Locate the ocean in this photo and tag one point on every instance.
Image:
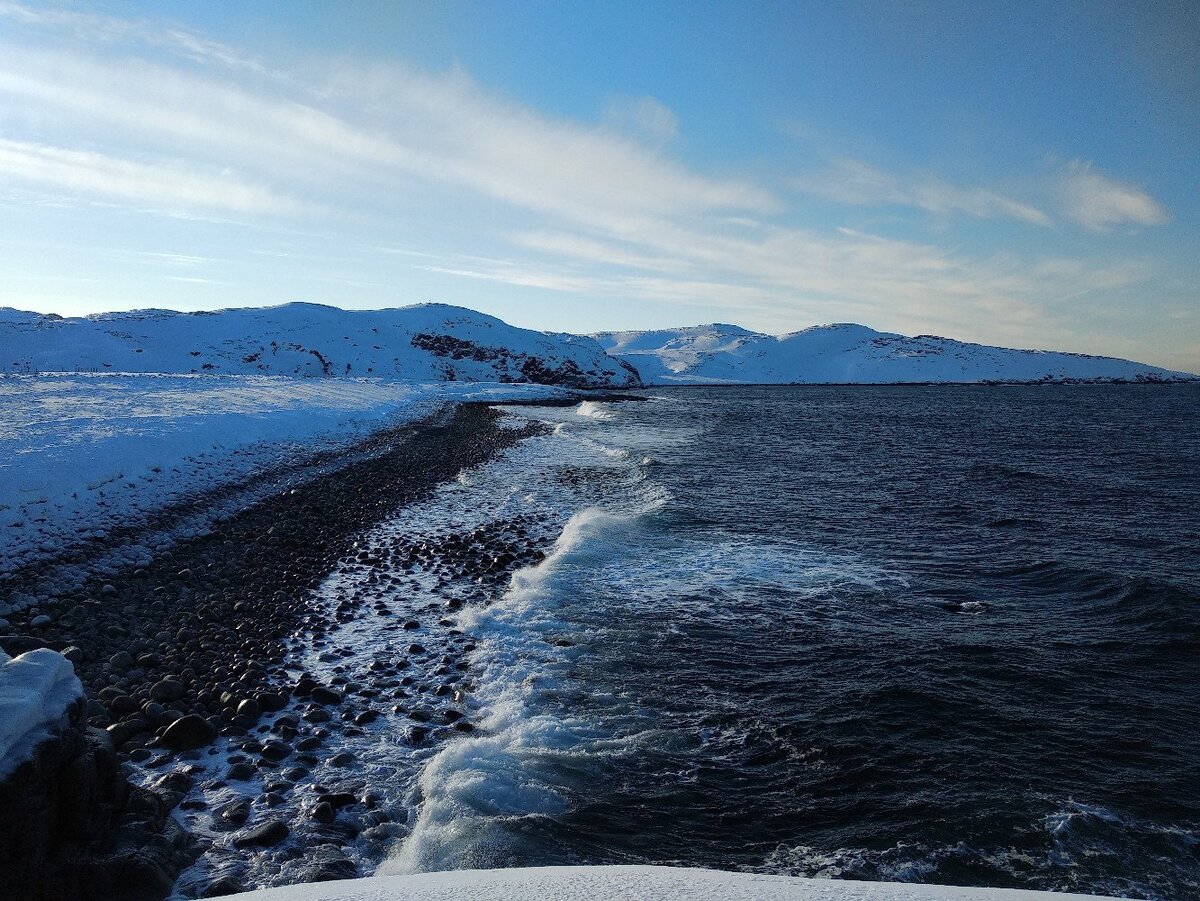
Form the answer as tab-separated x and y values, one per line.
934	634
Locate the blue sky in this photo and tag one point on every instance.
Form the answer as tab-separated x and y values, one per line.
1018	174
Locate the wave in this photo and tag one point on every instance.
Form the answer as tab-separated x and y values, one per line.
595	410
477	791
1062	851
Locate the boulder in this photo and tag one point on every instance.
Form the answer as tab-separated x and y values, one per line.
189	732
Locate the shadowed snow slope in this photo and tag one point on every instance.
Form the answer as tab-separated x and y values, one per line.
423	343
850	354
640	883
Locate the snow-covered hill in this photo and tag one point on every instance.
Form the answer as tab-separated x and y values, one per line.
423	343
851	354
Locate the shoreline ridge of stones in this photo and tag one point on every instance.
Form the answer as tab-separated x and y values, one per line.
200	645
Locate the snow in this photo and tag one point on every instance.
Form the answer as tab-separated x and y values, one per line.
83	454
422	343
631	883
845	353
36	689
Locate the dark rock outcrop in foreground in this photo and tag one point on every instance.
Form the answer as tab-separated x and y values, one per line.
72	826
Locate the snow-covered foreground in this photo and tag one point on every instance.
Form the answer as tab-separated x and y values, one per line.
850	354
83	454
632	883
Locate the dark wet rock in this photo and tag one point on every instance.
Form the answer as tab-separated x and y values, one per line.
336	800
240	772
272	832
173	787
121	732
344	758
324	812
276	751
235	812
167	690
220	888
325	864
272	702
189	732
251	709
323	695
417	734
123	705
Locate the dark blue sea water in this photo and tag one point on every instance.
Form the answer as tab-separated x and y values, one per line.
943	634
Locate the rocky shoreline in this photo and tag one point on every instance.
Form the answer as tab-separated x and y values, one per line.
201	648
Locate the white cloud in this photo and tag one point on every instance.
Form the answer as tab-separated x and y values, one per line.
370	130
1098	202
853	182
644	116
159	184
95	28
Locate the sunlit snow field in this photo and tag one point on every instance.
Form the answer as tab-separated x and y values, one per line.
80	453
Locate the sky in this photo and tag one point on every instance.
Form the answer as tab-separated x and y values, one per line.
1024	174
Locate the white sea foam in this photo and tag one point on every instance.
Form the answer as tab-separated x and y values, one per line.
595	410
476	790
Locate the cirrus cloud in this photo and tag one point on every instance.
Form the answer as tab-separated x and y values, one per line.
1099	202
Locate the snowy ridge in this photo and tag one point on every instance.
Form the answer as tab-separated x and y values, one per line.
846	353
422	343
631	883
36	689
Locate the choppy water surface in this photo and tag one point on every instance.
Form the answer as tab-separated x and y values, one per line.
934	634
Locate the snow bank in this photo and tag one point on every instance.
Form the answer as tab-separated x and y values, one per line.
81	455
631	883
850	354
36	689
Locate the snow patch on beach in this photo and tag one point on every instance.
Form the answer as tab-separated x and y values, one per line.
36	689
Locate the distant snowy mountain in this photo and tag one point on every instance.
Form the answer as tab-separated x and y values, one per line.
851	354
436	342
423	343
